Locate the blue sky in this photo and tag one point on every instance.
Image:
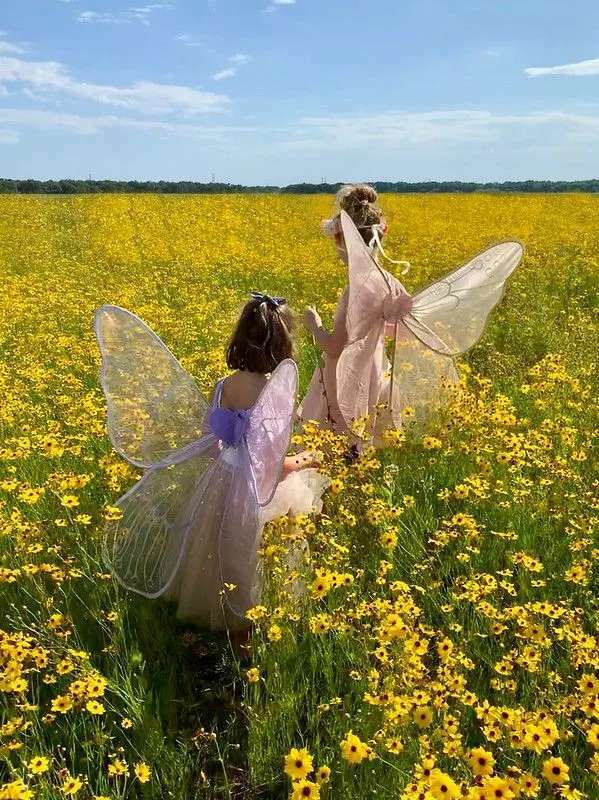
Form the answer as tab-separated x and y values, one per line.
279	91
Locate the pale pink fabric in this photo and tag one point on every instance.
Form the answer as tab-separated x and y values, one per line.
350	382
440	321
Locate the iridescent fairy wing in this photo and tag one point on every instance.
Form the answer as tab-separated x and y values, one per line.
154	406
450	315
146	544
422	379
361	360
269	429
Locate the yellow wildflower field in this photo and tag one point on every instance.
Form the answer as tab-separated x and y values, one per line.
433	634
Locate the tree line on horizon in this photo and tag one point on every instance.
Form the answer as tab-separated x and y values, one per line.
68	186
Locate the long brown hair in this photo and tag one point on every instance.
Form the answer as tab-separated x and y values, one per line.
262	338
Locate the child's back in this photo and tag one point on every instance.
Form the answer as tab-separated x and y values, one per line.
241	389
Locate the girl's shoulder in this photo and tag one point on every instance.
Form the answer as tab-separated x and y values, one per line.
241	389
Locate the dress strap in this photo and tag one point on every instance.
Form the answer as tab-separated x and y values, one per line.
218	391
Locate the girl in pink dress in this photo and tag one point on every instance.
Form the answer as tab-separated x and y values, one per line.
427	330
214	472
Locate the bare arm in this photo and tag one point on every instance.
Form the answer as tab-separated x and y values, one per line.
330	343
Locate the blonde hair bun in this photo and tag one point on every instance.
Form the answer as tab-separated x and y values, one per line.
355	196
358	200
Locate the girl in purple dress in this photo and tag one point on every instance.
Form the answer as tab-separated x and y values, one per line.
214	473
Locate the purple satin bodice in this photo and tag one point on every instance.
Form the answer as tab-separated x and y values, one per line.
227	424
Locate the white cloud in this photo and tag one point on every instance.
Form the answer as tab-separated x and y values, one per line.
276	4
239	59
590	67
9	48
139	14
88	125
8	137
224	73
12	49
190	41
416	129
143	96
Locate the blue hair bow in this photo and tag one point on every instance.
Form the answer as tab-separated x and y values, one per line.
272	302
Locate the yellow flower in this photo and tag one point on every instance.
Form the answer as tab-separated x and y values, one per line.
15	790
38	765
481	761
62	704
422	716
253	675
142	772
116	768
298	764
94	707
305	789
274	633
69	501
443	787
529	785
71	786
336	486
555	771
593	735
353	749
497	788
323	774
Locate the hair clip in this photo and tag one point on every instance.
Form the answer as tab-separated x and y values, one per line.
272	302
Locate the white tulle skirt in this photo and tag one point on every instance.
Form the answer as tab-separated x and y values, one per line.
218	578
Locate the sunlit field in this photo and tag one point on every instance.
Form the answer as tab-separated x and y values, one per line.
438	636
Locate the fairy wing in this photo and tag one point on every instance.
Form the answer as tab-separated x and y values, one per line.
450	315
423	379
269	429
154	406
146	544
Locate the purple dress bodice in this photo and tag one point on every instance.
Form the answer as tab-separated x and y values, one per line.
227	424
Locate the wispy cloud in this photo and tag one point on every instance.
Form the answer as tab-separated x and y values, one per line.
143	96
238	60
8	137
89	125
418	129
140	14
189	40
224	73
276	4
9	48
589	67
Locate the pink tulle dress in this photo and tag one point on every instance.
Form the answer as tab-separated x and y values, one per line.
190	529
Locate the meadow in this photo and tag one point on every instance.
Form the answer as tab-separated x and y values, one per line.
444	642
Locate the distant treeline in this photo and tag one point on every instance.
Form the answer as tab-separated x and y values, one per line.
192	187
